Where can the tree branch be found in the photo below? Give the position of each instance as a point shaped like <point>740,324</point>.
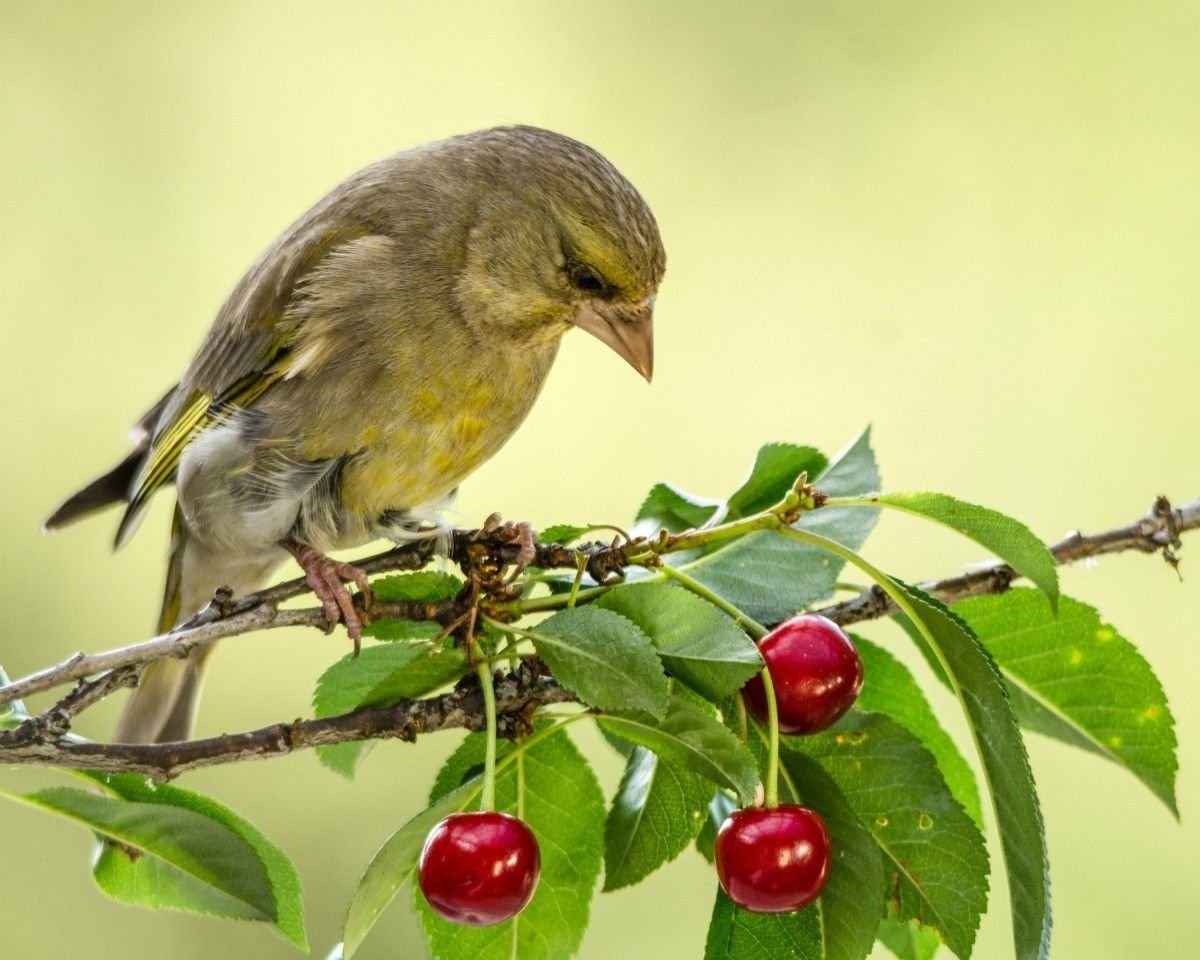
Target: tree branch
<point>42,739</point>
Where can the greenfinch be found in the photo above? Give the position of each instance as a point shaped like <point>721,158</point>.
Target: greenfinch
<point>388,343</point>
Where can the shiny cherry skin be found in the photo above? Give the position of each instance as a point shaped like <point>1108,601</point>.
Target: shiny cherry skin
<point>479,868</point>
<point>773,859</point>
<point>816,672</point>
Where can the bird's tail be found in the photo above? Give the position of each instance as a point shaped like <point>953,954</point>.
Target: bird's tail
<point>163,706</point>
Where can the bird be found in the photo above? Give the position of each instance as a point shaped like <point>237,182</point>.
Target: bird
<point>385,345</point>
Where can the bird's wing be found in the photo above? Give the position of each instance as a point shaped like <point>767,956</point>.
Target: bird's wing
<point>247,349</point>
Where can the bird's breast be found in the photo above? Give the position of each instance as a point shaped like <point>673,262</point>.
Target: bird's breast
<point>433,436</point>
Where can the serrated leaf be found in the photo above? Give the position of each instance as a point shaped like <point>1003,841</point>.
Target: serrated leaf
<point>151,882</point>
<point>851,905</point>
<point>380,676</point>
<point>769,576</point>
<point>562,533</point>
<point>934,857</point>
<point>890,689</point>
<point>552,788</point>
<point>657,811</point>
<point>698,643</point>
<point>604,658</point>
<point>393,865</point>
<point>908,940</point>
<point>719,809</point>
<point>981,690</point>
<point>669,508</point>
<point>1008,539</point>
<point>209,853</point>
<point>1075,678</point>
<point>737,934</point>
<point>688,737</point>
<point>774,472</point>
<point>427,586</point>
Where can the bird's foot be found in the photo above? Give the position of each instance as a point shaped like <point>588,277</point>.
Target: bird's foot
<point>520,533</point>
<point>328,579</point>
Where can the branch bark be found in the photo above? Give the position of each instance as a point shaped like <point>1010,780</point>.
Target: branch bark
<point>42,739</point>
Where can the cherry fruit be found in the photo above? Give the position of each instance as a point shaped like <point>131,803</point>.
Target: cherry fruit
<point>479,868</point>
<point>815,670</point>
<point>773,859</point>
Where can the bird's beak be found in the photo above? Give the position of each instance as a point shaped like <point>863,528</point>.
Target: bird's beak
<point>627,328</point>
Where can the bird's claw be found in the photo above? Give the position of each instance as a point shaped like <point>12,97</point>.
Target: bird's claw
<point>328,578</point>
<point>520,533</point>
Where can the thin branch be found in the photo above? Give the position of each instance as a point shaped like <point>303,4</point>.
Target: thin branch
<point>40,740</point>
<point>518,694</point>
<point>1158,531</point>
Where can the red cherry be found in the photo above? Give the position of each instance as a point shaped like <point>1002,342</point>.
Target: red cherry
<point>773,859</point>
<point>815,670</point>
<point>479,868</point>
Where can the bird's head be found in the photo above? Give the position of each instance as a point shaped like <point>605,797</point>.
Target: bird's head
<point>559,239</point>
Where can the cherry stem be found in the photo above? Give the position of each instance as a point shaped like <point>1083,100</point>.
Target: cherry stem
<point>743,723</point>
<point>744,620</point>
<point>580,569</point>
<point>487,799</point>
<point>771,799</point>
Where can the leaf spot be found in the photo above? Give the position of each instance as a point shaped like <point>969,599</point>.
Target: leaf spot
<point>1104,634</point>
<point>924,822</point>
<point>881,821</point>
<point>1076,656</point>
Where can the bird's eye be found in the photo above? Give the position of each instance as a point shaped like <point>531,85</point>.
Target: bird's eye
<point>585,278</point>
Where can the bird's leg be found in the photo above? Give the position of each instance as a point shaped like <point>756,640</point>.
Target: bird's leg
<point>520,533</point>
<point>327,578</point>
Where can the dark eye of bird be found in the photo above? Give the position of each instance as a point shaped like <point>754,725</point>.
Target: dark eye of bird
<point>585,278</point>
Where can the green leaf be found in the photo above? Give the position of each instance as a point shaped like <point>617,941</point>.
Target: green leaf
<point>394,628</point>
<point>851,904</point>
<point>737,934</point>
<point>552,788</point>
<point>719,809</point>
<point>981,690</point>
<point>908,940</point>
<point>690,738</point>
<point>427,586</point>
<point>235,880</point>
<point>1074,678</point>
<point>380,676</point>
<point>773,474</point>
<point>151,882</point>
<point>604,658</point>
<point>769,576</point>
<point>562,533</point>
<point>934,856</point>
<point>698,643</point>
<point>889,688</point>
<point>394,863</point>
<point>766,575</point>
<point>670,508</point>
<point>1009,539</point>
<point>656,813</point>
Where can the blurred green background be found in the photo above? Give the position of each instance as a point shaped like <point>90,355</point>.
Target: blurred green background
<point>975,227</point>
